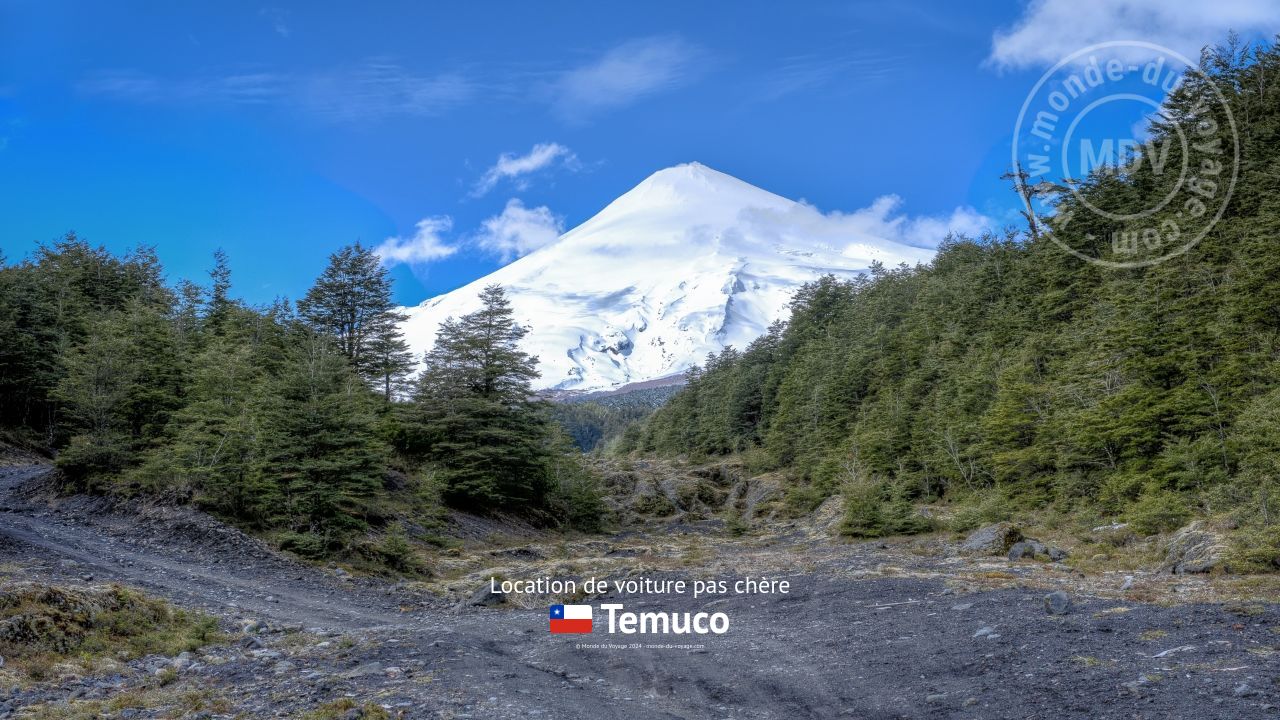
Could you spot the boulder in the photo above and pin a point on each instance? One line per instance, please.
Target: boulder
(486, 596)
(1193, 549)
(1027, 549)
(994, 539)
(1030, 548)
(1057, 603)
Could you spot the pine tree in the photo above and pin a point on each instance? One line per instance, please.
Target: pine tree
(322, 446)
(475, 414)
(351, 302)
(220, 302)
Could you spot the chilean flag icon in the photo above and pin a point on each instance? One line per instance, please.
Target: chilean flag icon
(571, 618)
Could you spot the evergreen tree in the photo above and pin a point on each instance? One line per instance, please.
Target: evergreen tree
(220, 302)
(475, 414)
(322, 446)
(351, 302)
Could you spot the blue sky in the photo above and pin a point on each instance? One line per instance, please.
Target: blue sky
(468, 135)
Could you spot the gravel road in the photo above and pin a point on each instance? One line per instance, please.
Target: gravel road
(844, 643)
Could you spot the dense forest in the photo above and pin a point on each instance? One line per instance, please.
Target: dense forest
(1004, 377)
(308, 424)
(597, 420)
(1008, 376)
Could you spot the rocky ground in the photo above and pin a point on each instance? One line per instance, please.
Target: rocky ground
(869, 630)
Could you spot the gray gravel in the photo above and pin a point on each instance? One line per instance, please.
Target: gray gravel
(836, 646)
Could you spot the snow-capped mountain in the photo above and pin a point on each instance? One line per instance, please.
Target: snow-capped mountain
(687, 262)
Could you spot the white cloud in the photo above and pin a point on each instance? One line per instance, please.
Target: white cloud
(279, 19)
(810, 73)
(381, 88)
(373, 89)
(518, 230)
(509, 166)
(426, 245)
(624, 75)
(1050, 30)
(872, 232)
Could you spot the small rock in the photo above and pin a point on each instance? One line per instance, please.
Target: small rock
(961, 607)
(1243, 690)
(87, 577)
(1057, 554)
(251, 643)
(1128, 583)
(1111, 528)
(282, 667)
(1136, 686)
(393, 672)
(1057, 603)
(935, 698)
(991, 540)
(369, 668)
(1, 661)
(983, 632)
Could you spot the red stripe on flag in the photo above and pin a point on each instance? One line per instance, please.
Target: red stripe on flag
(571, 626)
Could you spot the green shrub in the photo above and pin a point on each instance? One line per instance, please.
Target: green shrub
(575, 498)
(307, 545)
(1255, 550)
(878, 509)
(395, 550)
(804, 499)
(1119, 490)
(978, 510)
(1158, 512)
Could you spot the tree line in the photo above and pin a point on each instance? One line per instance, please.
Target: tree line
(1007, 374)
(307, 422)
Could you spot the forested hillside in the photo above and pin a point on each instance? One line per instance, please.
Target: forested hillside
(305, 424)
(1009, 375)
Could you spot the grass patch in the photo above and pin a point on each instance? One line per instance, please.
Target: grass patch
(1089, 661)
(45, 626)
(338, 709)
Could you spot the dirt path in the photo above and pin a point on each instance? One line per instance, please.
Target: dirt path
(847, 641)
(240, 577)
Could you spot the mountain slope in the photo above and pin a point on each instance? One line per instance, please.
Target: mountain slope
(685, 263)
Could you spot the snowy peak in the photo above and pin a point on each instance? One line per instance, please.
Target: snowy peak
(690, 188)
(685, 263)
(695, 184)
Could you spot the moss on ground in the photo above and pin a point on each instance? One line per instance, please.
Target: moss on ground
(47, 630)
